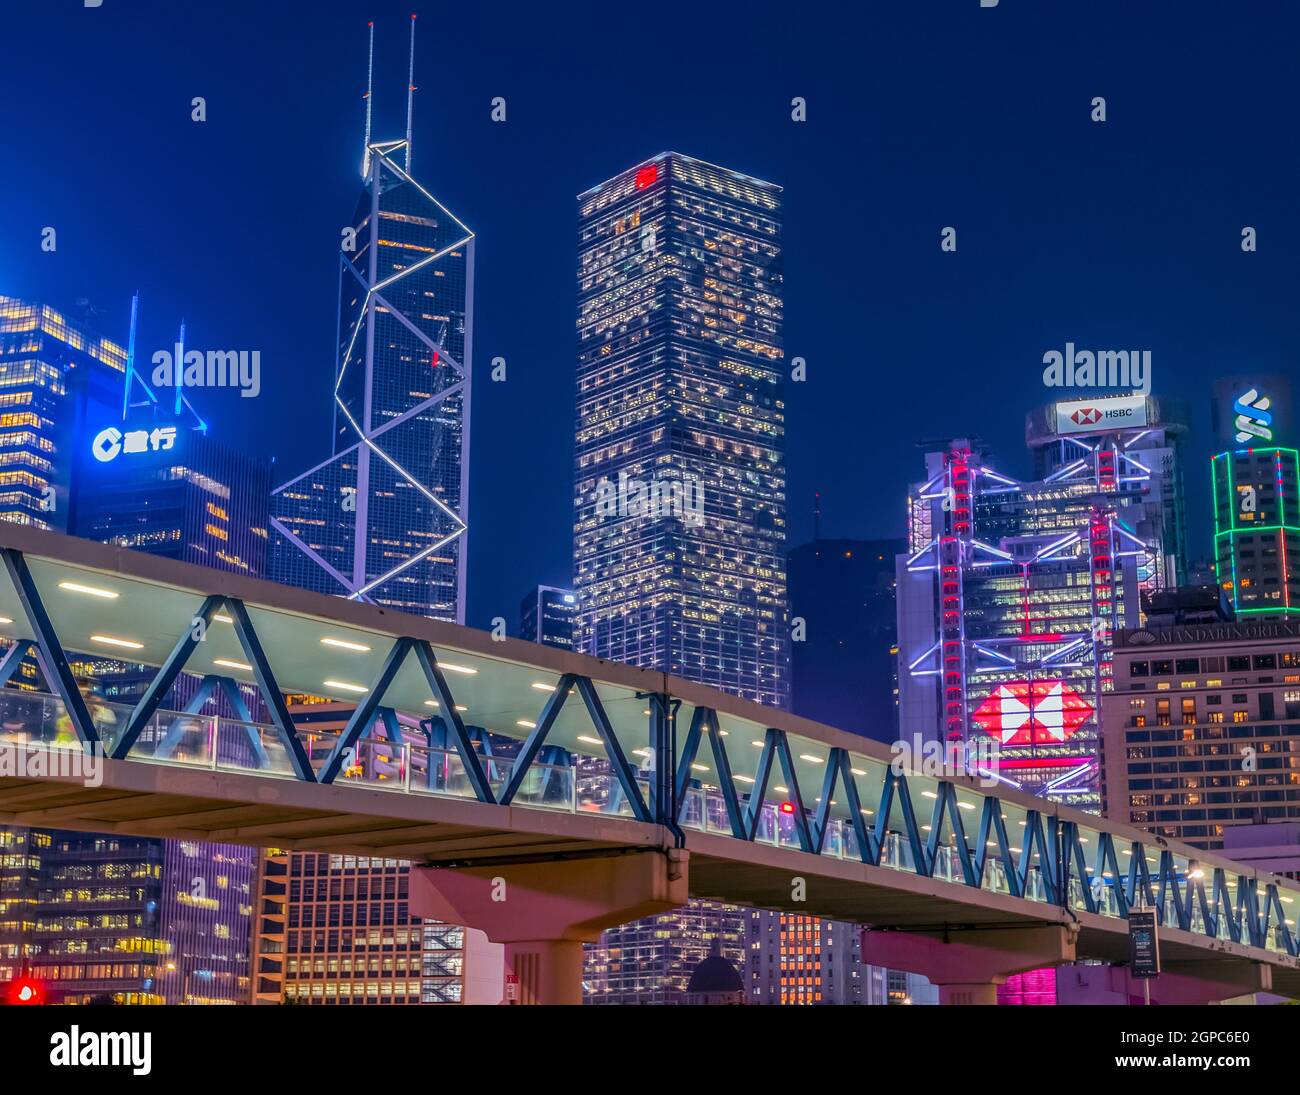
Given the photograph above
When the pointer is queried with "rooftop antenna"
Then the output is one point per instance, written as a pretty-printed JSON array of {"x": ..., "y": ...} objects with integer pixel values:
[
  {"x": 817, "y": 515},
  {"x": 410, "y": 95},
  {"x": 370, "y": 87},
  {"x": 180, "y": 368},
  {"x": 130, "y": 356}
]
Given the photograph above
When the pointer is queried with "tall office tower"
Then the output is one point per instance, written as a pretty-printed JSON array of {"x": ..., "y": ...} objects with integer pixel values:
[
  {"x": 1006, "y": 606},
  {"x": 797, "y": 959},
  {"x": 335, "y": 929},
  {"x": 1202, "y": 730},
  {"x": 844, "y": 664},
  {"x": 100, "y": 916},
  {"x": 679, "y": 534},
  {"x": 198, "y": 501},
  {"x": 48, "y": 364},
  {"x": 384, "y": 519},
  {"x": 130, "y": 921},
  {"x": 679, "y": 493},
  {"x": 1256, "y": 494},
  {"x": 1129, "y": 448},
  {"x": 546, "y": 616}
]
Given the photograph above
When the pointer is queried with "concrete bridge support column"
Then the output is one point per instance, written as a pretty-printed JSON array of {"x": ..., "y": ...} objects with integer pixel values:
[
  {"x": 969, "y": 967},
  {"x": 543, "y": 911}
]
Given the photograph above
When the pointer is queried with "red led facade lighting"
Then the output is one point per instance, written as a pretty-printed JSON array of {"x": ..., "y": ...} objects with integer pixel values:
[
  {"x": 647, "y": 176},
  {"x": 1032, "y": 713}
]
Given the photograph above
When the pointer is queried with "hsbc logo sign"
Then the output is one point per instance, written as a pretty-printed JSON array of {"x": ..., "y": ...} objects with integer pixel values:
[{"x": 1082, "y": 416}]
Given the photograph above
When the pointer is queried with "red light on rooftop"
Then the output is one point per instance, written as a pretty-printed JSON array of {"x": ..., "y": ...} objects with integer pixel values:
[
  {"x": 646, "y": 177},
  {"x": 787, "y": 807}
]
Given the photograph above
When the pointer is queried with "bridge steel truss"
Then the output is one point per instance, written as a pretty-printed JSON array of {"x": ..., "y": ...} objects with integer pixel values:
[{"x": 865, "y": 807}]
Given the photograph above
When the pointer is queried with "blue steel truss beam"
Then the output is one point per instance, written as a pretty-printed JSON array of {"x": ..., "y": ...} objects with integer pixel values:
[
  {"x": 207, "y": 687},
  {"x": 364, "y": 713},
  {"x": 13, "y": 659},
  {"x": 271, "y": 694},
  {"x": 946, "y": 805},
  {"x": 54, "y": 662},
  {"x": 537, "y": 737},
  {"x": 895, "y": 786},
  {"x": 617, "y": 758},
  {"x": 454, "y": 723},
  {"x": 994, "y": 827},
  {"x": 193, "y": 635}
]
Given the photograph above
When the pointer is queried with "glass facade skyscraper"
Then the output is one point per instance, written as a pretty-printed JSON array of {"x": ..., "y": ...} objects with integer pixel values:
[
  {"x": 679, "y": 536},
  {"x": 679, "y": 490},
  {"x": 383, "y": 520},
  {"x": 48, "y": 366},
  {"x": 546, "y": 616}
]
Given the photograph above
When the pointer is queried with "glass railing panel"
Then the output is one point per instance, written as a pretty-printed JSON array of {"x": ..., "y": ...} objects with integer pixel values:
[
  {"x": 550, "y": 786},
  {"x": 375, "y": 763}
]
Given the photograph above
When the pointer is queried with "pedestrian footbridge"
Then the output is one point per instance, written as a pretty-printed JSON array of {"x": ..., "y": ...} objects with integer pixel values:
[{"x": 272, "y": 716}]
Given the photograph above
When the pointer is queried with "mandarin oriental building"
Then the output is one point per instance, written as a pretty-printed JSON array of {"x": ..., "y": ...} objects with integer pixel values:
[{"x": 1202, "y": 730}]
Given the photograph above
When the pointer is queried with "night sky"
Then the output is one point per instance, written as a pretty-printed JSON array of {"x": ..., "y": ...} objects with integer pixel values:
[{"x": 921, "y": 114}]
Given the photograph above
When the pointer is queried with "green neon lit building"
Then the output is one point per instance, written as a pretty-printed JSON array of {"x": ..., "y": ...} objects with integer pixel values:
[{"x": 1256, "y": 496}]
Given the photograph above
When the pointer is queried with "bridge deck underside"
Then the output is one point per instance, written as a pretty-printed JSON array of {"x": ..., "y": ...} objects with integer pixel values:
[{"x": 153, "y": 800}]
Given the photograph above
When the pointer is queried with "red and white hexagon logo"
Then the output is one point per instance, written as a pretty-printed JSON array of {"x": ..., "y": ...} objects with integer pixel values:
[{"x": 1021, "y": 713}]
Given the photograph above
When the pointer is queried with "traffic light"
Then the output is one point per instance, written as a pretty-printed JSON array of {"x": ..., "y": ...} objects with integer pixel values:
[{"x": 26, "y": 990}]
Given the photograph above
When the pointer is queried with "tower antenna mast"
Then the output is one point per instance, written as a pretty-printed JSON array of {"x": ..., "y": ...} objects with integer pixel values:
[
  {"x": 370, "y": 87},
  {"x": 410, "y": 95}
]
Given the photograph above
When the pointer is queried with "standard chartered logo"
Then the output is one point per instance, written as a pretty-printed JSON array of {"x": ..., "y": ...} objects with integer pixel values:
[{"x": 1253, "y": 420}]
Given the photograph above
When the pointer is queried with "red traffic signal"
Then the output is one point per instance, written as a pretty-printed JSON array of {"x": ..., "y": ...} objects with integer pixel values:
[{"x": 27, "y": 990}]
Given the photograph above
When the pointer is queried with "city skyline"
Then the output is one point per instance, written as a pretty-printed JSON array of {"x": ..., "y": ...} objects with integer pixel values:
[{"x": 514, "y": 183}]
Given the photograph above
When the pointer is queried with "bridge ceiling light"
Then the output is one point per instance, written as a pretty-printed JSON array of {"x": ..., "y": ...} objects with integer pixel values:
[
  {"x": 90, "y": 591},
  {"x": 434, "y": 703},
  {"x": 811, "y": 759},
  {"x": 542, "y": 686},
  {"x": 228, "y": 664},
  {"x": 345, "y": 686},
  {"x": 929, "y": 794},
  {"x": 222, "y": 618},
  {"x": 526, "y": 724},
  {"x": 965, "y": 805},
  {"x": 452, "y": 668},
  {"x": 589, "y": 740},
  {"x": 781, "y": 790},
  {"x": 5, "y": 620},
  {"x": 857, "y": 771},
  {"x": 345, "y": 644},
  {"x": 112, "y": 640},
  {"x": 743, "y": 779},
  {"x": 757, "y": 744}
]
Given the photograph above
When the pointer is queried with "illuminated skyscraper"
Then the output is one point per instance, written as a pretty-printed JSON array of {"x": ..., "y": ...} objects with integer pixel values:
[
  {"x": 1007, "y": 603},
  {"x": 679, "y": 536},
  {"x": 546, "y": 616},
  {"x": 48, "y": 367},
  {"x": 679, "y": 532},
  {"x": 383, "y": 520},
  {"x": 1256, "y": 494}
]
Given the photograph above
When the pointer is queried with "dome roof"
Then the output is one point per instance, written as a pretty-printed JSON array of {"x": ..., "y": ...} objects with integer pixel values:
[{"x": 715, "y": 974}]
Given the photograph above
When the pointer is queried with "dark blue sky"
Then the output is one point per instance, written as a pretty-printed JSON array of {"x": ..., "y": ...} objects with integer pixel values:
[{"x": 921, "y": 115}]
